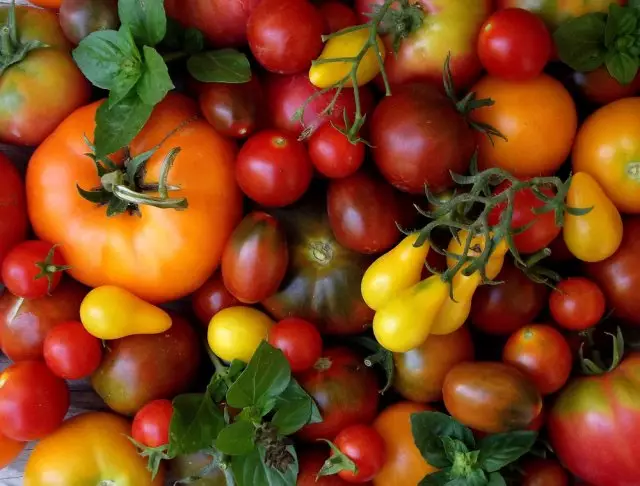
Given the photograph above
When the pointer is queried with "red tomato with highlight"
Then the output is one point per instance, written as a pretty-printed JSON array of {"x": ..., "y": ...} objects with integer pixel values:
[
  {"x": 71, "y": 352},
  {"x": 310, "y": 462},
  {"x": 151, "y": 423},
  {"x": 601, "y": 88},
  {"x": 365, "y": 447},
  {"x": 9, "y": 450},
  {"x": 577, "y": 303},
  {"x": 13, "y": 223},
  {"x": 211, "y": 298},
  {"x": 544, "y": 472},
  {"x": 337, "y": 16},
  {"x": 299, "y": 340},
  {"x": 332, "y": 154}
]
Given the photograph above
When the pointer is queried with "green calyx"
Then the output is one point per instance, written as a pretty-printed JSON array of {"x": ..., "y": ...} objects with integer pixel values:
[
  {"x": 48, "y": 269},
  {"x": 595, "y": 365},
  {"x": 12, "y": 50}
]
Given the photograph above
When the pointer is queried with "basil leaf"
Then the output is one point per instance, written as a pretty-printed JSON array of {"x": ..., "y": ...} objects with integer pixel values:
[
  {"x": 195, "y": 423},
  {"x": 236, "y": 439},
  {"x": 223, "y": 66},
  {"x": 452, "y": 447},
  {"x": 496, "y": 479},
  {"x": 251, "y": 470},
  {"x": 438, "y": 478},
  {"x": 475, "y": 477},
  {"x": 293, "y": 409},
  {"x": 499, "y": 450},
  {"x": 429, "y": 427},
  {"x": 622, "y": 66},
  {"x": 634, "y": 4},
  {"x": 618, "y": 22},
  {"x": 155, "y": 82},
  {"x": 267, "y": 375},
  {"x": 580, "y": 42},
  {"x": 146, "y": 19}
]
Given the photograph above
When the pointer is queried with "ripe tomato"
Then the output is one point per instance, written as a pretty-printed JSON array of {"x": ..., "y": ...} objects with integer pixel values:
[
  {"x": 514, "y": 44},
  {"x": 541, "y": 353},
  {"x": 33, "y": 401},
  {"x": 54, "y": 4},
  {"x": 187, "y": 245},
  {"x": 211, "y": 298},
  {"x": 337, "y": 16},
  {"x": 544, "y": 472},
  {"x": 310, "y": 462},
  {"x": 601, "y": 88},
  {"x": 9, "y": 450},
  {"x": 273, "y": 168},
  {"x": 79, "y": 18},
  {"x": 365, "y": 447},
  {"x": 236, "y": 332},
  {"x": 150, "y": 425},
  {"x": 577, "y": 303},
  {"x": 538, "y": 118},
  {"x": 299, "y": 340},
  {"x": 13, "y": 223},
  {"x": 332, "y": 154},
  {"x": 71, "y": 352},
  {"x": 285, "y": 35}
]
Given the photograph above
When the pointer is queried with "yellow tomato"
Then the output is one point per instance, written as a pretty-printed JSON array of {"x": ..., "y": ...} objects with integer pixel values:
[
  {"x": 496, "y": 260},
  {"x": 236, "y": 332},
  {"x": 594, "y": 236},
  {"x": 454, "y": 312},
  {"x": 347, "y": 45},
  {"x": 110, "y": 312}
]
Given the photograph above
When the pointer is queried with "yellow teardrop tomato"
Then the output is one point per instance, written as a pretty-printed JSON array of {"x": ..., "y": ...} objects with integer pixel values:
[
  {"x": 111, "y": 312},
  {"x": 454, "y": 313},
  {"x": 236, "y": 332},
  {"x": 594, "y": 236},
  {"x": 349, "y": 44},
  {"x": 396, "y": 270},
  {"x": 496, "y": 260}
]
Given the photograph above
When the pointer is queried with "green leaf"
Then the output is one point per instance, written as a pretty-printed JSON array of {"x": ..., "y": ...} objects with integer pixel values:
[
  {"x": 620, "y": 21},
  {"x": 193, "y": 40},
  {"x": 294, "y": 409},
  {"x": 475, "y": 477},
  {"x": 429, "y": 428},
  {"x": 251, "y": 470},
  {"x": 580, "y": 41},
  {"x": 622, "y": 66},
  {"x": 155, "y": 82},
  {"x": 337, "y": 462},
  {"x": 634, "y": 4},
  {"x": 146, "y": 19},
  {"x": 496, "y": 479},
  {"x": 453, "y": 447},
  {"x": 236, "y": 439},
  {"x": 267, "y": 375},
  {"x": 223, "y": 66},
  {"x": 438, "y": 478},
  {"x": 499, "y": 450}
]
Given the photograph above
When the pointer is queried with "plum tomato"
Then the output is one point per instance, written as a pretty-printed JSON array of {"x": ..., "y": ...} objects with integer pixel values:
[
  {"x": 285, "y": 35},
  {"x": 273, "y": 168},
  {"x": 514, "y": 44},
  {"x": 71, "y": 352},
  {"x": 332, "y": 154},
  {"x": 211, "y": 298},
  {"x": 365, "y": 447},
  {"x": 9, "y": 450},
  {"x": 79, "y": 18},
  {"x": 337, "y": 16},
  {"x": 544, "y": 472},
  {"x": 299, "y": 340},
  {"x": 577, "y": 303},
  {"x": 13, "y": 223},
  {"x": 150, "y": 426}
]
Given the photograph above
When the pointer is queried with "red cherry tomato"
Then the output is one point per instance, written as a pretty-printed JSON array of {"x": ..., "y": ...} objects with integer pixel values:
[
  {"x": 332, "y": 154},
  {"x": 337, "y": 16},
  {"x": 150, "y": 425},
  {"x": 366, "y": 448},
  {"x": 32, "y": 269},
  {"x": 13, "y": 223},
  {"x": 273, "y": 168},
  {"x": 299, "y": 340},
  {"x": 71, "y": 352},
  {"x": 577, "y": 303},
  {"x": 514, "y": 44},
  {"x": 544, "y": 472},
  {"x": 211, "y": 298}
]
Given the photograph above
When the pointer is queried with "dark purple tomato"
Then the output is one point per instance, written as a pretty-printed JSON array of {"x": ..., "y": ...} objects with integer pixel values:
[{"x": 79, "y": 18}]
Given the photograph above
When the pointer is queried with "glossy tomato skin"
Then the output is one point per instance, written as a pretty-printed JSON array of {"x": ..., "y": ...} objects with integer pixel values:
[
  {"x": 601, "y": 88},
  {"x": 33, "y": 401},
  {"x": 300, "y": 342},
  {"x": 577, "y": 303},
  {"x": 150, "y": 425},
  {"x": 285, "y": 35},
  {"x": 441, "y": 140},
  {"x": 310, "y": 462},
  {"x": 79, "y": 18},
  {"x": 544, "y": 472},
  {"x": 185, "y": 245},
  {"x": 332, "y": 154},
  {"x": 600, "y": 413},
  {"x": 365, "y": 447},
  {"x": 345, "y": 390},
  {"x": 211, "y": 298},
  {"x": 9, "y": 450},
  {"x": 192, "y": 465},
  {"x": 71, "y": 352},
  {"x": 13, "y": 224},
  {"x": 337, "y": 16}
]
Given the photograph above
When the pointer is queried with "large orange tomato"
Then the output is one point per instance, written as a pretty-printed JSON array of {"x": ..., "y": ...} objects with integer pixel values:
[
  {"x": 538, "y": 118},
  {"x": 608, "y": 148},
  {"x": 92, "y": 448},
  {"x": 158, "y": 253}
]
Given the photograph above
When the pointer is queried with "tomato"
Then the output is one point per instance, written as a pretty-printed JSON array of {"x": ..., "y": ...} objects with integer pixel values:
[
  {"x": 71, "y": 352},
  {"x": 197, "y": 465},
  {"x": 441, "y": 139},
  {"x": 345, "y": 390},
  {"x": 337, "y": 16},
  {"x": 255, "y": 259},
  {"x": 541, "y": 353},
  {"x": 24, "y": 324},
  {"x": 211, "y": 298},
  {"x": 187, "y": 245},
  {"x": 9, "y": 450},
  {"x": 601, "y": 88},
  {"x": 577, "y": 303},
  {"x": 514, "y": 44},
  {"x": 607, "y": 147},
  {"x": 405, "y": 464},
  {"x": 300, "y": 342},
  {"x": 420, "y": 372},
  {"x": 538, "y": 118},
  {"x": 365, "y": 447},
  {"x": 332, "y": 154},
  {"x": 323, "y": 280},
  {"x": 28, "y": 112},
  {"x": 285, "y": 35},
  {"x": 273, "y": 168},
  {"x": 33, "y": 401},
  {"x": 544, "y": 472},
  {"x": 79, "y": 18},
  {"x": 595, "y": 414},
  {"x": 491, "y": 397},
  {"x": 55, "y": 4},
  {"x": 13, "y": 223},
  {"x": 310, "y": 461},
  {"x": 138, "y": 369},
  {"x": 92, "y": 445},
  {"x": 236, "y": 332},
  {"x": 150, "y": 425},
  {"x": 504, "y": 308}
]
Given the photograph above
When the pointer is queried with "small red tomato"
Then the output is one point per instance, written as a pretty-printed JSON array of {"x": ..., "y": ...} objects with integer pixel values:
[
  {"x": 71, "y": 352},
  {"x": 541, "y": 353},
  {"x": 514, "y": 44},
  {"x": 366, "y": 448},
  {"x": 577, "y": 303},
  {"x": 211, "y": 298},
  {"x": 32, "y": 269},
  {"x": 337, "y": 16},
  {"x": 9, "y": 450},
  {"x": 273, "y": 168},
  {"x": 332, "y": 154},
  {"x": 14, "y": 221},
  {"x": 544, "y": 472},
  {"x": 299, "y": 340},
  {"x": 151, "y": 423}
]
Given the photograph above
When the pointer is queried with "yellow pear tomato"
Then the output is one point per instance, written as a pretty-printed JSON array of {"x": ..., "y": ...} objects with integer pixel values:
[{"x": 236, "y": 332}]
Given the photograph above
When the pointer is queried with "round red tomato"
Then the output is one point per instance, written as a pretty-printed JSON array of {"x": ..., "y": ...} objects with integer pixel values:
[
  {"x": 601, "y": 88},
  {"x": 577, "y": 303},
  {"x": 273, "y": 168},
  {"x": 310, "y": 462},
  {"x": 514, "y": 44},
  {"x": 285, "y": 35},
  {"x": 337, "y": 16},
  {"x": 544, "y": 472},
  {"x": 211, "y": 298},
  {"x": 9, "y": 450},
  {"x": 151, "y": 423},
  {"x": 13, "y": 223},
  {"x": 299, "y": 340},
  {"x": 365, "y": 447},
  {"x": 33, "y": 401},
  {"x": 71, "y": 352},
  {"x": 332, "y": 154}
]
